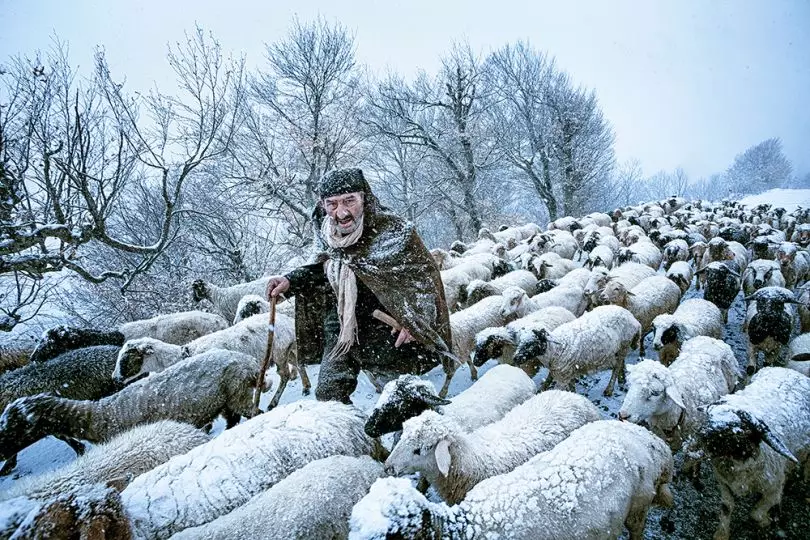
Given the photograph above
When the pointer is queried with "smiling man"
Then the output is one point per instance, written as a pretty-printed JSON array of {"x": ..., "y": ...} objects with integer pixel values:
[{"x": 367, "y": 259}]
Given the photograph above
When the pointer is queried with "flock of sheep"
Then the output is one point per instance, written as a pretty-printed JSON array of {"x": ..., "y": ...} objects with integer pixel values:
[{"x": 498, "y": 460}]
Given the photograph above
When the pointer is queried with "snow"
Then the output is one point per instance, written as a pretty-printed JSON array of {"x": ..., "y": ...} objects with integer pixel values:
[{"x": 789, "y": 199}]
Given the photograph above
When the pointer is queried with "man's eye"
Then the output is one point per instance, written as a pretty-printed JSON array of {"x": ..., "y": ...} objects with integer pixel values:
[{"x": 417, "y": 452}]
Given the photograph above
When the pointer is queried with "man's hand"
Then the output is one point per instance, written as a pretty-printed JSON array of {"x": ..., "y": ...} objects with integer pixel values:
[
  {"x": 403, "y": 337},
  {"x": 276, "y": 286}
]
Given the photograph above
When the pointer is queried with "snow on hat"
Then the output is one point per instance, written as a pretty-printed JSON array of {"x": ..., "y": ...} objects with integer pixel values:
[{"x": 342, "y": 181}]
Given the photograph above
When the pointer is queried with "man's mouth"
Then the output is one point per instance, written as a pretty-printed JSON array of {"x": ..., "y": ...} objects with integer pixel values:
[{"x": 345, "y": 221}]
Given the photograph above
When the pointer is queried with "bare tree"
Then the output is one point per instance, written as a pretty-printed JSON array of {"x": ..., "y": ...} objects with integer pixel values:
[
  {"x": 761, "y": 167},
  {"x": 73, "y": 151}
]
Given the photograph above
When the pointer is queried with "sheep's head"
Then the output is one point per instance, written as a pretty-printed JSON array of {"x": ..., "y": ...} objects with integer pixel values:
[
  {"x": 513, "y": 299},
  {"x": 501, "y": 267},
  {"x": 424, "y": 446},
  {"x": 651, "y": 386},
  {"x": 625, "y": 255},
  {"x": 591, "y": 241},
  {"x": 485, "y": 233},
  {"x": 544, "y": 285},
  {"x": 666, "y": 331},
  {"x": 718, "y": 249},
  {"x": 615, "y": 293},
  {"x": 249, "y": 305},
  {"x": 60, "y": 339},
  {"x": 531, "y": 343},
  {"x": 477, "y": 290},
  {"x": 199, "y": 290},
  {"x": 132, "y": 357},
  {"x": 25, "y": 421},
  {"x": 393, "y": 509},
  {"x": 92, "y": 512},
  {"x": 735, "y": 434},
  {"x": 489, "y": 343},
  {"x": 401, "y": 399}
]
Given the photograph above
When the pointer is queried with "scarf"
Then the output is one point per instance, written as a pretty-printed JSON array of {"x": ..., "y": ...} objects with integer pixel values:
[{"x": 344, "y": 283}]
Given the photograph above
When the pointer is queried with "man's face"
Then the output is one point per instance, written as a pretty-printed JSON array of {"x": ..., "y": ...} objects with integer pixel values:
[{"x": 346, "y": 210}]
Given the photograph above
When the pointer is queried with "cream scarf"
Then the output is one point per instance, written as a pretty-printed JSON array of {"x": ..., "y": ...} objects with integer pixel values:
[{"x": 344, "y": 283}]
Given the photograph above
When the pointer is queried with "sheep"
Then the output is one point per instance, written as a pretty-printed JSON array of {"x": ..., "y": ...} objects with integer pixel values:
[
  {"x": 560, "y": 243},
  {"x": 495, "y": 264},
  {"x": 566, "y": 223},
  {"x": 77, "y": 374},
  {"x": 654, "y": 296},
  {"x": 599, "y": 339},
  {"x": 579, "y": 489},
  {"x": 196, "y": 391},
  {"x": 578, "y": 277},
  {"x": 453, "y": 461},
  {"x": 722, "y": 284},
  {"x": 456, "y": 279},
  {"x": 130, "y": 453},
  {"x": 798, "y": 354},
  {"x": 314, "y": 502},
  {"x": 794, "y": 263},
  {"x": 753, "y": 437},
  {"x": 249, "y": 336},
  {"x": 681, "y": 274},
  {"x": 516, "y": 303},
  {"x": 720, "y": 250},
  {"x": 478, "y": 289},
  {"x": 643, "y": 252},
  {"x": 694, "y": 317},
  {"x": 487, "y": 400},
  {"x": 769, "y": 322},
  {"x": 176, "y": 328},
  {"x": 761, "y": 273},
  {"x": 226, "y": 299},
  {"x": 675, "y": 250},
  {"x": 513, "y": 234},
  {"x": 667, "y": 398},
  {"x": 803, "y": 296},
  {"x": 465, "y": 324},
  {"x": 13, "y": 357},
  {"x": 499, "y": 342},
  {"x": 61, "y": 339},
  {"x": 253, "y": 304},
  {"x": 629, "y": 274},
  {"x": 217, "y": 477},
  {"x": 551, "y": 266},
  {"x": 601, "y": 255}
]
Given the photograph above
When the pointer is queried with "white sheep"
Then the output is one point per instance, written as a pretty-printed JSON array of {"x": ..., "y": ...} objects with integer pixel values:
[
  {"x": 511, "y": 234},
  {"x": 694, "y": 317},
  {"x": 498, "y": 391},
  {"x": 761, "y": 273},
  {"x": 667, "y": 398},
  {"x": 313, "y": 502},
  {"x": 601, "y": 255},
  {"x": 253, "y": 304},
  {"x": 226, "y": 299},
  {"x": 629, "y": 274},
  {"x": 675, "y": 250},
  {"x": 248, "y": 336},
  {"x": 599, "y": 339},
  {"x": 754, "y": 437},
  {"x": 175, "y": 328},
  {"x": 561, "y": 243},
  {"x": 454, "y": 461},
  {"x": 215, "y": 478},
  {"x": 602, "y": 478},
  {"x": 681, "y": 274},
  {"x": 456, "y": 279},
  {"x": 515, "y": 303},
  {"x": 722, "y": 250},
  {"x": 798, "y": 354},
  {"x": 642, "y": 252},
  {"x": 551, "y": 266},
  {"x": 478, "y": 289},
  {"x": 499, "y": 342},
  {"x": 652, "y": 297},
  {"x": 131, "y": 453},
  {"x": 465, "y": 324}
]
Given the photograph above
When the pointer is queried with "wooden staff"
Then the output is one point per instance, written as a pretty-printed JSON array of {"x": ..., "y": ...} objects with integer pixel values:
[
  {"x": 271, "y": 334},
  {"x": 387, "y": 319}
]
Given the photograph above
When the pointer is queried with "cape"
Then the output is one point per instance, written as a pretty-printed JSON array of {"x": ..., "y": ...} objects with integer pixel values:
[{"x": 393, "y": 262}]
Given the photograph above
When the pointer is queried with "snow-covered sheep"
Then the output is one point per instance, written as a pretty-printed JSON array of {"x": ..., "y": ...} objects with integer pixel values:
[
  {"x": 196, "y": 391},
  {"x": 445, "y": 261},
  {"x": 754, "y": 436},
  {"x": 720, "y": 250},
  {"x": 550, "y": 266},
  {"x": 487, "y": 400},
  {"x": 681, "y": 274},
  {"x": 675, "y": 250},
  {"x": 249, "y": 337},
  {"x": 176, "y": 328},
  {"x": 722, "y": 284},
  {"x": 600, "y": 256},
  {"x": 578, "y": 277},
  {"x": 77, "y": 374},
  {"x": 253, "y": 304},
  {"x": 465, "y": 324},
  {"x": 803, "y": 296},
  {"x": 644, "y": 252},
  {"x": 499, "y": 342},
  {"x": 225, "y": 299},
  {"x": 61, "y": 339},
  {"x": 131, "y": 453},
  {"x": 515, "y": 303},
  {"x": 511, "y": 234},
  {"x": 314, "y": 502},
  {"x": 667, "y": 398},
  {"x": 694, "y": 317},
  {"x": 217, "y": 477},
  {"x": 654, "y": 296},
  {"x": 794, "y": 263},
  {"x": 798, "y": 354},
  {"x": 454, "y": 460},
  {"x": 598, "y": 340},
  {"x": 13, "y": 357},
  {"x": 629, "y": 274},
  {"x": 566, "y": 223},
  {"x": 560, "y": 243},
  {"x": 478, "y": 289},
  {"x": 769, "y": 323},
  {"x": 456, "y": 279},
  {"x": 579, "y": 489},
  {"x": 761, "y": 273}
]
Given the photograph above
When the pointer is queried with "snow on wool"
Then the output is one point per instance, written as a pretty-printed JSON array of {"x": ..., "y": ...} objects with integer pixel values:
[{"x": 694, "y": 317}]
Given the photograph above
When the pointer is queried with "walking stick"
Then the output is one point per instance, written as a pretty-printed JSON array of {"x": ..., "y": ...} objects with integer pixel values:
[{"x": 271, "y": 334}]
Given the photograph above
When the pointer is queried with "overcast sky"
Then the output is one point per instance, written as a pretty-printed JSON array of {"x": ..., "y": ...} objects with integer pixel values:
[{"x": 684, "y": 83}]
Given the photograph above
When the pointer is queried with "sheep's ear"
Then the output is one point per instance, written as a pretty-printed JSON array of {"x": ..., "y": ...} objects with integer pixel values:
[
  {"x": 185, "y": 352},
  {"x": 675, "y": 395},
  {"x": 443, "y": 459},
  {"x": 119, "y": 483},
  {"x": 431, "y": 399},
  {"x": 768, "y": 436},
  {"x": 630, "y": 293}
]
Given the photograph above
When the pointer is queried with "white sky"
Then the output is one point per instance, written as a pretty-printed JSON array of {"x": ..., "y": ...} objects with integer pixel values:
[{"x": 684, "y": 83}]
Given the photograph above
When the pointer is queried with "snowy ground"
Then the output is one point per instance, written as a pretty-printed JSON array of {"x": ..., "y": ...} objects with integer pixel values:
[{"x": 789, "y": 199}]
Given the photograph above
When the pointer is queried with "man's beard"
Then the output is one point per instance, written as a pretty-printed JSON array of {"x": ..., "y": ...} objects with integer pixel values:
[{"x": 347, "y": 228}]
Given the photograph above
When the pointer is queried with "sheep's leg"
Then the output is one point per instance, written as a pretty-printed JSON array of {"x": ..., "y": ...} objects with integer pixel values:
[
  {"x": 753, "y": 352},
  {"x": 547, "y": 383},
  {"x": 373, "y": 380},
  {"x": 77, "y": 446},
  {"x": 473, "y": 370},
  {"x": 306, "y": 385},
  {"x": 770, "y": 498},
  {"x": 9, "y": 465},
  {"x": 726, "y": 508},
  {"x": 725, "y": 316},
  {"x": 231, "y": 418},
  {"x": 449, "y": 367},
  {"x": 283, "y": 370},
  {"x": 641, "y": 344},
  {"x": 635, "y": 522}
]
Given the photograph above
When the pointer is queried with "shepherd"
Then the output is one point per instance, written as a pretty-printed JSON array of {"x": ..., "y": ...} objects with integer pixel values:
[{"x": 369, "y": 265}]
